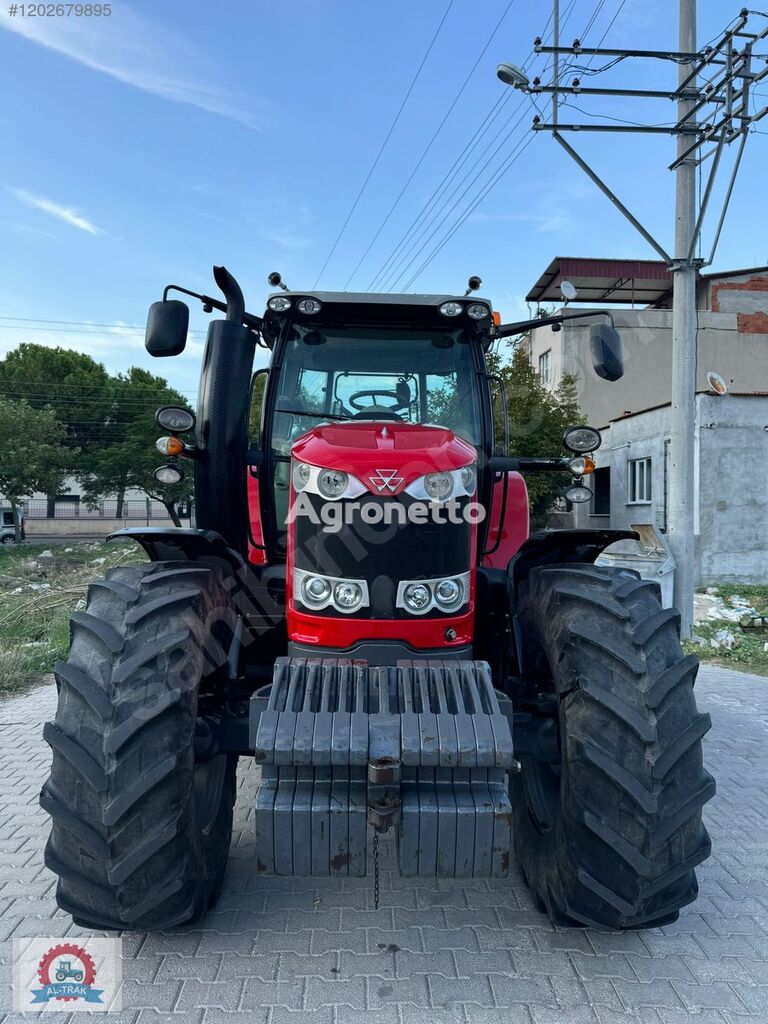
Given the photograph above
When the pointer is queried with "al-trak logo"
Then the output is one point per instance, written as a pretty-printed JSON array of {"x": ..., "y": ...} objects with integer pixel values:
[
  {"x": 67, "y": 973},
  {"x": 385, "y": 480}
]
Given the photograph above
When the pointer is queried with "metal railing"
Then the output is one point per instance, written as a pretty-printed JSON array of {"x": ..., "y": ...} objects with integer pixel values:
[{"x": 140, "y": 509}]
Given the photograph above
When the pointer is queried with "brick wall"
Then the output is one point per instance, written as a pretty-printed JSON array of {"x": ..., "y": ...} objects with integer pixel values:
[{"x": 745, "y": 296}]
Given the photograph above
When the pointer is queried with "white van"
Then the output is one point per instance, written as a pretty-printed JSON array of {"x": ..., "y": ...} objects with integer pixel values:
[{"x": 7, "y": 531}]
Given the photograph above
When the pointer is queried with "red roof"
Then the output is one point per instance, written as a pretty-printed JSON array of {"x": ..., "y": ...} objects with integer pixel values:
[{"x": 604, "y": 281}]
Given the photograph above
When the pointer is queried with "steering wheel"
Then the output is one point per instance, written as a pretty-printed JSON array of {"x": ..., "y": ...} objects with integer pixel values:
[{"x": 354, "y": 400}]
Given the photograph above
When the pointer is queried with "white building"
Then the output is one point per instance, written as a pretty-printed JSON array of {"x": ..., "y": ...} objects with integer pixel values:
[{"x": 631, "y": 485}]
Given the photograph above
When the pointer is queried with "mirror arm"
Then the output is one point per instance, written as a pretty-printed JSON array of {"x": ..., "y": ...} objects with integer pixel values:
[
  {"x": 249, "y": 319},
  {"x": 506, "y": 330},
  {"x": 503, "y": 464}
]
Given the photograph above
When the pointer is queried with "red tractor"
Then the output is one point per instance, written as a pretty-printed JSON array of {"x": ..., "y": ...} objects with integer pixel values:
[{"x": 360, "y": 608}]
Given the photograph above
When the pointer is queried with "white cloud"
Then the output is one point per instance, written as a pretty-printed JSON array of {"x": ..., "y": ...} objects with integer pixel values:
[
  {"x": 134, "y": 50},
  {"x": 555, "y": 220},
  {"x": 66, "y": 213}
]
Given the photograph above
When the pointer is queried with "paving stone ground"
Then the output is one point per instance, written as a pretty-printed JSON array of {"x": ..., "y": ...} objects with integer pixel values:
[{"x": 290, "y": 951}]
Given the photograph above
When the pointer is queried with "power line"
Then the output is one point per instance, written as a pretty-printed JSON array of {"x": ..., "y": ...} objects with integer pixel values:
[
  {"x": 511, "y": 159},
  {"x": 114, "y": 328},
  {"x": 45, "y": 385},
  {"x": 427, "y": 214},
  {"x": 496, "y": 178},
  {"x": 384, "y": 144},
  {"x": 489, "y": 117},
  {"x": 401, "y": 270},
  {"x": 592, "y": 20},
  {"x": 450, "y": 175},
  {"x": 460, "y": 220},
  {"x": 437, "y": 131}
]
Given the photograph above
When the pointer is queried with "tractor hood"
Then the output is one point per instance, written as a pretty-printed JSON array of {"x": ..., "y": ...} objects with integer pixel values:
[{"x": 385, "y": 456}]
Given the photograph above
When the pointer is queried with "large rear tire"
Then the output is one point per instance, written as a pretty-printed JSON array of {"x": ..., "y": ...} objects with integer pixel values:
[
  {"x": 608, "y": 829},
  {"x": 141, "y": 812}
]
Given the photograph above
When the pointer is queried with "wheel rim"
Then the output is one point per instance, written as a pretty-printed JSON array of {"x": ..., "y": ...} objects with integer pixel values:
[
  {"x": 540, "y": 777},
  {"x": 209, "y": 781}
]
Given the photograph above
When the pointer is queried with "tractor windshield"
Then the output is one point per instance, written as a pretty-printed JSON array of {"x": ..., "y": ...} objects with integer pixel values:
[
  {"x": 416, "y": 377},
  {"x": 370, "y": 373}
]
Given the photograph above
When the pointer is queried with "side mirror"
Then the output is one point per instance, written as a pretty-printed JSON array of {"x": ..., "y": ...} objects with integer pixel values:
[
  {"x": 167, "y": 325},
  {"x": 607, "y": 359}
]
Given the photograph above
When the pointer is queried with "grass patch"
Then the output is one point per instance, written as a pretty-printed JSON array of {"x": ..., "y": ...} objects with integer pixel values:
[
  {"x": 746, "y": 655},
  {"x": 40, "y": 587},
  {"x": 755, "y": 593},
  {"x": 748, "y": 650}
]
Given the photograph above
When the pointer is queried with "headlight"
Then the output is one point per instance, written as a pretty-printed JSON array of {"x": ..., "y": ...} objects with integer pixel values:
[
  {"x": 315, "y": 591},
  {"x": 327, "y": 483},
  {"x": 457, "y": 483},
  {"x": 301, "y": 474},
  {"x": 448, "y": 594},
  {"x": 478, "y": 311},
  {"x": 451, "y": 308},
  {"x": 175, "y": 419},
  {"x": 169, "y": 475},
  {"x": 439, "y": 486},
  {"x": 445, "y": 594},
  {"x": 347, "y": 595},
  {"x": 582, "y": 439},
  {"x": 417, "y": 597},
  {"x": 332, "y": 483},
  {"x": 279, "y": 303},
  {"x": 578, "y": 494},
  {"x": 308, "y": 306}
]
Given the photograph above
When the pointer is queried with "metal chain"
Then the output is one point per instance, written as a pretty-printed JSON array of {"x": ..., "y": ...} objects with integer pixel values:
[{"x": 376, "y": 868}]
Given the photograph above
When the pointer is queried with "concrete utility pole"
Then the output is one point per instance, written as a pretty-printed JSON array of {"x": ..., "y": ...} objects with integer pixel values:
[{"x": 684, "y": 319}]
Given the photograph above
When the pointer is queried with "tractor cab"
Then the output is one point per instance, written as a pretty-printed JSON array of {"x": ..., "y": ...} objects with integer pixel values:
[{"x": 343, "y": 358}]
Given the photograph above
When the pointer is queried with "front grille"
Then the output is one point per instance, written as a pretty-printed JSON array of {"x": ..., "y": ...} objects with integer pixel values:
[{"x": 382, "y": 554}]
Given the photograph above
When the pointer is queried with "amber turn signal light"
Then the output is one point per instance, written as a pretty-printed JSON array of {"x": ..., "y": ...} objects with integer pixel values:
[
  {"x": 170, "y": 446},
  {"x": 582, "y": 466}
]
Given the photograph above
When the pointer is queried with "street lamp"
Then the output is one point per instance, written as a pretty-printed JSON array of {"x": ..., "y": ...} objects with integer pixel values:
[{"x": 512, "y": 75}]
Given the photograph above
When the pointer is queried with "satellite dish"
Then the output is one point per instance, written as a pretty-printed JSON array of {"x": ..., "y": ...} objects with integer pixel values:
[
  {"x": 568, "y": 291},
  {"x": 717, "y": 384}
]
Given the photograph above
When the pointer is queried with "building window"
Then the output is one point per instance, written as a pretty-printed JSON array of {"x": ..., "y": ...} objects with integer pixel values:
[
  {"x": 601, "y": 487},
  {"x": 545, "y": 366},
  {"x": 640, "y": 491}
]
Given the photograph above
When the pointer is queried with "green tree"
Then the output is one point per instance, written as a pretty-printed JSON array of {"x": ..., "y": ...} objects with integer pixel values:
[
  {"x": 537, "y": 419},
  {"x": 125, "y": 455},
  {"x": 75, "y": 386},
  {"x": 34, "y": 456},
  {"x": 254, "y": 415}
]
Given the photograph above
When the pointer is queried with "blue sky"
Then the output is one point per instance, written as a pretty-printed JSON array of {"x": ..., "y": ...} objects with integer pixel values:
[{"x": 142, "y": 148}]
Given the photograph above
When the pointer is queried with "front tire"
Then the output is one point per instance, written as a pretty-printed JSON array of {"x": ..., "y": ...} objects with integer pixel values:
[
  {"x": 141, "y": 821},
  {"x": 609, "y": 831}
]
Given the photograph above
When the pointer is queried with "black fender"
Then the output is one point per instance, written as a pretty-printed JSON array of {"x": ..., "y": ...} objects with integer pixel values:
[
  {"x": 184, "y": 544},
  {"x": 549, "y": 547},
  {"x": 553, "y": 547},
  {"x": 257, "y": 592}
]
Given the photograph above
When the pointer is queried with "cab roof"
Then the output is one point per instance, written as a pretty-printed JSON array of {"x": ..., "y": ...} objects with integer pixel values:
[{"x": 384, "y": 309}]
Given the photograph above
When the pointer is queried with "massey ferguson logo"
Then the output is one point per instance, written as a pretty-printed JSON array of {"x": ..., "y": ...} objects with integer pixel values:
[{"x": 386, "y": 480}]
